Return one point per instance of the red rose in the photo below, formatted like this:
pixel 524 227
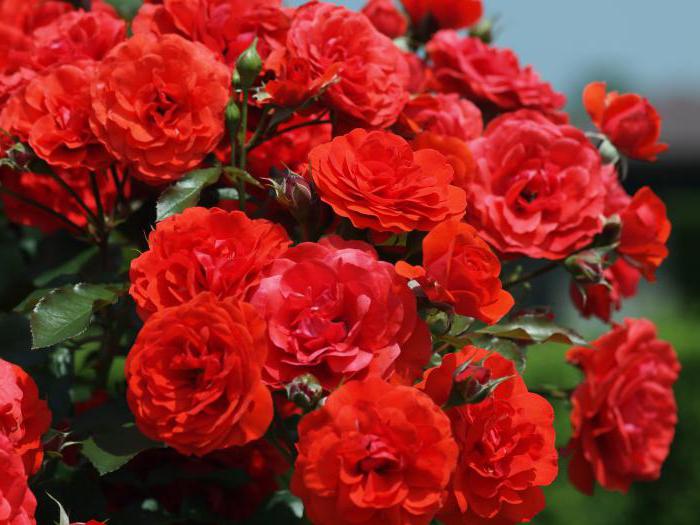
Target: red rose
pixel 227 27
pixel 460 269
pixel 624 412
pixel 456 152
pixel 374 454
pixel 15 60
pixel 385 17
pixel 506 444
pixel 28 15
pixel 616 198
pixel 416 80
pixel 538 189
pixel 447 14
pixel 335 311
pixel 17 503
pixel 373 73
pixel 47 192
pixel 378 182
pixel 203 250
pixel 645 230
pixel 629 121
pixel 600 299
pixel 158 103
pixel 488 74
pixel 194 376
pixel 52 114
pixel 24 418
pixel 443 114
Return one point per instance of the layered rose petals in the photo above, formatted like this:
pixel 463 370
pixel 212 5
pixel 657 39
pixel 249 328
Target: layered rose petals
pixel 17 503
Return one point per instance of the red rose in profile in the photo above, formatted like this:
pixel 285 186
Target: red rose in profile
pixel 460 269
pixel 538 189
pixel 373 454
pixel 52 114
pixel 202 250
pixel 600 299
pixel 194 376
pixel 227 27
pixel 468 66
pixel 373 73
pixel 24 418
pixel 506 444
pixel 628 120
pixel 334 310
pixel 17 503
pixel 624 412
pixel 385 17
pixel 645 230
pixel 378 182
pixel 447 14
pixel 158 104
pixel 443 114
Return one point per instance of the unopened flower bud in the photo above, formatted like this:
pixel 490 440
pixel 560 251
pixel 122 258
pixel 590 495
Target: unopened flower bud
pixel 233 115
pixel 304 391
pixel 586 267
pixel 293 191
pixel 249 65
pixel 472 383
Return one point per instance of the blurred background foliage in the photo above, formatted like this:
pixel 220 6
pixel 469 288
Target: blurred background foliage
pixel 628 44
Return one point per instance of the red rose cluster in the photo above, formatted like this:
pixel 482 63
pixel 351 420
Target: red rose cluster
pixel 326 272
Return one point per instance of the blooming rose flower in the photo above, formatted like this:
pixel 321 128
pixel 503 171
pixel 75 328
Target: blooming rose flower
pixel 24 418
pixel 158 104
pixel 373 73
pixel 506 444
pixel 203 250
pixel 194 376
pixel 28 15
pixel 17 503
pixel 628 120
pixel 624 412
pixel 335 311
pixel 455 150
pixel 227 27
pixel 480 72
pixel 385 17
pixel 443 114
pixel 460 269
pixel 15 60
pixel 538 189
pixel 377 181
pixel 52 114
pixel 621 280
pixel 447 14
pixel 374 453
pixel 645 230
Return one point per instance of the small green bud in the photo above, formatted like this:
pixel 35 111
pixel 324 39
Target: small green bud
pixel 304 391
pixel 233 115
pixel 249 65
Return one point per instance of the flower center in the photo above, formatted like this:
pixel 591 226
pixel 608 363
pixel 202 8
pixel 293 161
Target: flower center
pixel 379 458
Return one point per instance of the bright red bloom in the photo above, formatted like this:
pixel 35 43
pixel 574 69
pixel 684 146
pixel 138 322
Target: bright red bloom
pixel 203 250
pixel 227 27
pixel 443 114
pixel 194 376
pixel 52 114
pixel 335 311
pixel 24 418
pixel 15 60
pixel 455 150
pixel 538 189
pixel 621 280
pixel 28 15
pixel 447 14
pixel 645 230
pixel 628 120
pixel 506 443
pixel 624 413
pixel 158 104
pixel 385 17
pixel 374 453
pixel 378 182
pixel 488 74
pixel 373 73
pixel 17 503
pixel 460 269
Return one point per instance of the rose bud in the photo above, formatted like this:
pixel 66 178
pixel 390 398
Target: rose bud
pixel 293 191
pixel 304 391
pixel 249 65
pixel 472 383
pixel 586 267
pixel 233 116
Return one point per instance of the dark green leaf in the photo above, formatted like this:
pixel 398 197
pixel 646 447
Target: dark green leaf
pixel 111 449
pixel 227 194
pixel 73 266
pixel 66 312
pixel 185 192
pixel 286 499
pixel 533 328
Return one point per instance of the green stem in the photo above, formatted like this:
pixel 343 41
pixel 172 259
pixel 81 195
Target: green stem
pixel 242 146
pixel 42 207
pixel 529 276
pixel 90 214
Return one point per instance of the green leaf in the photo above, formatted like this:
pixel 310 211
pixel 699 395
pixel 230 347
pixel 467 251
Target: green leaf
pixel 73 266
pixel 286 499
pixel 185 192
pixel 532 329
pixel 227 194
pixel 66 312
pixel 113 448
